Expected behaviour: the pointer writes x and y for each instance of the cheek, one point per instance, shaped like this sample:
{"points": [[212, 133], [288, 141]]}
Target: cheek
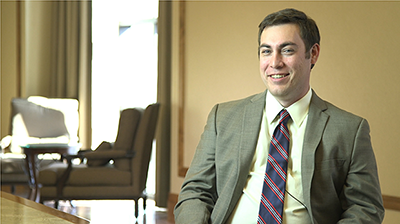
{"points": [[290, 62], [263, 71], [263, 65]]}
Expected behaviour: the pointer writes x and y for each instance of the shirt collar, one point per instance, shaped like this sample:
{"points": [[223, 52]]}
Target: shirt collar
{"points": [[298, 111]]}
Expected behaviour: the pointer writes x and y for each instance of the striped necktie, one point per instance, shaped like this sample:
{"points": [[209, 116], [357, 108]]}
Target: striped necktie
{"points": [[273, 193]]}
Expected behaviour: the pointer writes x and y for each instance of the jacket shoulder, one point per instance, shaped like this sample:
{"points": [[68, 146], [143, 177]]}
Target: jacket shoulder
{"points": [[332, 110], [241, 103]]}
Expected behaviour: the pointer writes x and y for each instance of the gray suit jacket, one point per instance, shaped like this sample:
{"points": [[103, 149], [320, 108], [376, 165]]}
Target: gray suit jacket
{"points": [[339, 173]]}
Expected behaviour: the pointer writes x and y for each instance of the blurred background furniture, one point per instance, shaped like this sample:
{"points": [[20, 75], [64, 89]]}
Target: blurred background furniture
{"points": [[37, 120], [31, 153], [112, 171], [34, 121], [13, 172]]}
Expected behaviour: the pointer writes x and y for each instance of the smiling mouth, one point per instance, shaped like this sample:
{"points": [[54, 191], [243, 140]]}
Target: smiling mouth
{"points": [[278, 76]]}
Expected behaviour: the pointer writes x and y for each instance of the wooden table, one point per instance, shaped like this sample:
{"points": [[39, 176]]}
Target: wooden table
{"points": [[17, 210], [31, 152]]}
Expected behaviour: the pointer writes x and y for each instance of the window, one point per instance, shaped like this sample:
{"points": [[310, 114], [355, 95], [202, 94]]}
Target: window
{"points": [[124, 65]]}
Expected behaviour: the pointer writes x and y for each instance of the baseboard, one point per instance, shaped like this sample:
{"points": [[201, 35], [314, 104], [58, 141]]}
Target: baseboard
{"points": [[172, 200]]}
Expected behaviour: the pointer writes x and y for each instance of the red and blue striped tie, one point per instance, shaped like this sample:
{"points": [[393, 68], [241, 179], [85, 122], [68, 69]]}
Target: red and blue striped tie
{"points": [[273, 193]]}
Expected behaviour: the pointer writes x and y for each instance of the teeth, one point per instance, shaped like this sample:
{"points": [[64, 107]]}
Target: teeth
{"points": [[277, 76]]}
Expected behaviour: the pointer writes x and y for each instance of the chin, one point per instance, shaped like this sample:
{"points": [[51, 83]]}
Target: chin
{"points": [[276, 90]]}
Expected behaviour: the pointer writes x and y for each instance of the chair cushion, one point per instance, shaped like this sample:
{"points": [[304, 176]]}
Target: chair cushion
{"points": [[40, 121], [13, 171], [50, 174], [99, 176], [104, 146], [127, 129], [14, 178], [68, 106], [43, 120], [12, 165]]}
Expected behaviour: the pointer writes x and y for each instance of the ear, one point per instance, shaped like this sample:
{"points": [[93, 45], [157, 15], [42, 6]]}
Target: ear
{"points": [[315, 53]]}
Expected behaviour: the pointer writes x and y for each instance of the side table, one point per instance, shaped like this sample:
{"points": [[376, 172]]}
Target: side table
{"points": [[31, 152]]}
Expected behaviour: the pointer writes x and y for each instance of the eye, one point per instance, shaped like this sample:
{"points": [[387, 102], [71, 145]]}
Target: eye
{"points": [[288, 51], [265, 51]]}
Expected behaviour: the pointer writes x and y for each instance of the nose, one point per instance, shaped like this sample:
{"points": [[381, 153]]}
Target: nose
{"points": [[276, 61]]}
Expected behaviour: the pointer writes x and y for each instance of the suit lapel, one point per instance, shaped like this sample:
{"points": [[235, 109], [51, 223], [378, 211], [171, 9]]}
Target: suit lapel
{"points": [[251, 127], [251, 124], [316, 123]]}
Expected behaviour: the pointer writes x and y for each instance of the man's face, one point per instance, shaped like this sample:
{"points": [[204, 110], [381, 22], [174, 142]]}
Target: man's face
{"points": [[284, 67]]}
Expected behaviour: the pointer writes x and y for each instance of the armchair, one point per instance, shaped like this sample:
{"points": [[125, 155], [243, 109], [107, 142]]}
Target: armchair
{"points": [[98, 178]]}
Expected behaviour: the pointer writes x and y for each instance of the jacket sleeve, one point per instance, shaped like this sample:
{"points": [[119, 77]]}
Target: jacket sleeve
{"points": [[361, 197], [198, 194]]}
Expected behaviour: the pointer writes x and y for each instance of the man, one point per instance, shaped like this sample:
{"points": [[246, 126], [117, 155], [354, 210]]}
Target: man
{"points": [[331, 169]]}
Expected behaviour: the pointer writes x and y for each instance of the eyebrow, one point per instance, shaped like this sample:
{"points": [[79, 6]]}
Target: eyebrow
{"points": [[280, 46]]}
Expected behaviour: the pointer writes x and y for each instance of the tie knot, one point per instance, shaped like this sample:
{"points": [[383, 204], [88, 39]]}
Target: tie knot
{"points": [[284, 116]]}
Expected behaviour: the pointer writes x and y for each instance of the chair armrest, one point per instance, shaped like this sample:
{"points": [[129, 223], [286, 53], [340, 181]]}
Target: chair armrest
{"points": [[83, 151], [111, 154], [80, 155]]}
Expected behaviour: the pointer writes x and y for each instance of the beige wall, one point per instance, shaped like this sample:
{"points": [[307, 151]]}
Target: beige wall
{"points": [[356, 69], [8, 78]]}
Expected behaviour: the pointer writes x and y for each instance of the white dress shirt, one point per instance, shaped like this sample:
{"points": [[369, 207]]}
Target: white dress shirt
{"points": [[246, 210]]}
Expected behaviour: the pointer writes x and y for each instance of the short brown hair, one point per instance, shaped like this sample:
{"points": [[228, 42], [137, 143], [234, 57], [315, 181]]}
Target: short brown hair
{"points": [[309, 32]]}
